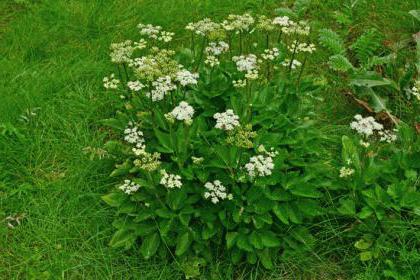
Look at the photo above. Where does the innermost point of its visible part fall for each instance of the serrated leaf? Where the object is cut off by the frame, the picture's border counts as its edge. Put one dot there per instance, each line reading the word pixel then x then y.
pixel 340 63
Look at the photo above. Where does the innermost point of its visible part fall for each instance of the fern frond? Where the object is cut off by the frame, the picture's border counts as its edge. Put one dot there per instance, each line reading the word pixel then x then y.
pixel 340 63
pixel 366 46
pixel 379 60
pixel 332 41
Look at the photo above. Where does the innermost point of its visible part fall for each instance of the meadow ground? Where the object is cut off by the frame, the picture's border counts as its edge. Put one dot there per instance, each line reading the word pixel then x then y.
pixel 53 55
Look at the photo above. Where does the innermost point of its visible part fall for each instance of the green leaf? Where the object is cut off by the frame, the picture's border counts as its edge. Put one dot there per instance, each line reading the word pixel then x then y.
pixel 347 207
pixel 366 256
pixel 150 245
pixel 164 213
pixel 269 239
pixel 183 243
pixel 164 140
pixel 265 258
pixel 281 213
pixel 332 41
pixel 122 238
pixel 243 243
pixel 363 244
pixel 350 153
pixel 114 199
pixel 340 63
pixel 256 240
pixel 305 190
pixel 231 239
pixel 416 14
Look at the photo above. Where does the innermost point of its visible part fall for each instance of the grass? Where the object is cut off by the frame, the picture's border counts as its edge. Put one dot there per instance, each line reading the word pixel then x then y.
pixel 53 56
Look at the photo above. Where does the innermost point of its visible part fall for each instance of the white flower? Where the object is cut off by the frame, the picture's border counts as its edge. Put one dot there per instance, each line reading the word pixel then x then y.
pixel 227 120
pixel 133 135
pixel 365 126
pixel 282 21
pixel 245 63
pixel 149 30
pixel 364 144
pixel 270 54
pixel 197 160
pixel 165 36
pixel 183 112
pixel 239 83
pixel 203 27
pixel 415 91
pixel 301 47
pixel 185 77
pixel 260 166
pixel 295 63
pixel 129 187
pixel 387 136
pixel 170 181
pixel 135 85
pixel 216 192
pixel 217 49
pixel 110 82
pixel 162 86
pixel 346 172
pixel 238 23
pixel 252 74
pixel 212 61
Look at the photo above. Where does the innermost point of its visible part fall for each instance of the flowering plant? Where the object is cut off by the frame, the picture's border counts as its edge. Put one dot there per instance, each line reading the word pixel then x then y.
pixel 212 157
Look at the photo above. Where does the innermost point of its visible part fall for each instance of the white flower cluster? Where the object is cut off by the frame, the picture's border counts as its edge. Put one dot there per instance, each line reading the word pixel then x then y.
pixel 238 23
pixel 212 61
pixel 246 63
pixel 133 135
pixel 260 166
pixel 346 172
pixel 301 47
pixel 282 21
pixel 203 27
pixel 110 82
pixel 365 126
pixel 185 77
pixel 183 112
pixel 216 192
pixel 122 52
pixel 170 181
pixel 135 85
pixel 217 48
pixel 295 63
pixel 162 86
pixel 271 153
pixel 387 136
pixel 129 187
pixel 239 83
pixel 155 32
pixel 415 91
pixel 270 54
pixel 227 120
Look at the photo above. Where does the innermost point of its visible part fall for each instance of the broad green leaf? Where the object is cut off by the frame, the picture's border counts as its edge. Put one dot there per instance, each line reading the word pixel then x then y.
pixel 114 199
pixel 243 243
pixel 281 213
pixel 122 238
pixel 269 239
pixel 150 245
pixel 265 258
pixel 183 243
pixel 231 239
pixel 363 244
pixel 256 240
pixel 305 190
pixel 366 256
pixel 164 140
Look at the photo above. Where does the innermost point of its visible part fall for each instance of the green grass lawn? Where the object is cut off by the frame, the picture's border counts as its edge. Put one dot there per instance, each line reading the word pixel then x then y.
pixel 53 55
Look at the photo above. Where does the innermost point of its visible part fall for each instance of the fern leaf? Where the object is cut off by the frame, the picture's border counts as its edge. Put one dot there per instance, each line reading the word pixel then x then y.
pixel 332 41
pixel 366 46
pixel 340 63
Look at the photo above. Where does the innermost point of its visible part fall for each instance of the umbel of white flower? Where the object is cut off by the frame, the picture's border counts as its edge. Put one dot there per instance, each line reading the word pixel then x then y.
pixel 185 77
pixel 216 192
pixel 135 85
pixel 260 166
pixel 365 126
pixel 162 86
pixel 217 48
pixel 129 187
pixel 227 120
pixel 346 172
pixel 245 63
pixel 170 181
pixel 111 82
pixel 183 112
